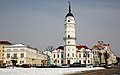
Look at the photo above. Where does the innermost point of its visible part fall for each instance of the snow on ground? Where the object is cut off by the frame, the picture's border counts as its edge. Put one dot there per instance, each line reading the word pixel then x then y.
pixel 42 71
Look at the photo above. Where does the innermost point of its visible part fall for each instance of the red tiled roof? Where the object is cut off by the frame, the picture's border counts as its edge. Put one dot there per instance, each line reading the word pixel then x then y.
pixel 5 42
pixel 99 47
pixel 60 47
pixel 81 46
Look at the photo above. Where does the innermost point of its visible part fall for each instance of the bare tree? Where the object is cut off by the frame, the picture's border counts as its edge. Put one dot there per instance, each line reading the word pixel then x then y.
pixel 100 57
pixel 50 48
pixel 106 56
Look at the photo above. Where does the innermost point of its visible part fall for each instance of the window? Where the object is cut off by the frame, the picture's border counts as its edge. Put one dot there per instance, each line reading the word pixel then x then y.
pixel 68 36
pixel 7 62
pixel 22 55
pixel 22 49
pixel 15 49
pixel 62 56
pixel 68 20
pixel 88 55
pixel 15 55
pixel 58 61
pixel 88 61
pixel 54 55
pixel 8 55
pixel 21 62
pixel 80 61
pixel 61 61
pixel 58 55
pixel 68 55
pixel 84 61
pixel 68 42
pixel 84 55
pixel 79 55
pixel 72 54
pixel 68 49
pixel 8 49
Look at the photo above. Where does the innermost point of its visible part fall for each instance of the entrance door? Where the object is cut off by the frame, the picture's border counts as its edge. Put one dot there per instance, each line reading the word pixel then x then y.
pixel 68 61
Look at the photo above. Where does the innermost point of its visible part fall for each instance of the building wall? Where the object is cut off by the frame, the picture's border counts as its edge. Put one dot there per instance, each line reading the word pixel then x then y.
pixel 25 55
pixel 85 56
pixel 57 57
pixel 78 57
pixel 2 53
pixel 102 48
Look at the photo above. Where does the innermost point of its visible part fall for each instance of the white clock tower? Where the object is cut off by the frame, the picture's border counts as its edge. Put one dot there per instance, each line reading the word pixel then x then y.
pixel 69 38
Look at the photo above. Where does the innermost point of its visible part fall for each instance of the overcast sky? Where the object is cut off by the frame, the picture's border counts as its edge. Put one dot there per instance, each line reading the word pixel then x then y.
pixel 40 23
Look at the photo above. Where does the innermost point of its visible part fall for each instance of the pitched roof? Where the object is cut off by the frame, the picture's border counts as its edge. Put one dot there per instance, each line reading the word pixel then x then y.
pixel 99 47
pixel 60 47
pixel 5 42
pixel 81 46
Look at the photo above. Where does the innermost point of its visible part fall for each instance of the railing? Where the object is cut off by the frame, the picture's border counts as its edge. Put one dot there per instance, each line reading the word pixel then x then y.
pixel 69 38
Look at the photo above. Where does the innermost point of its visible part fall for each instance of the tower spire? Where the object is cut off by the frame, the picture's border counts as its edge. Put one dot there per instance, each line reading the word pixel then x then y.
pixel 69 7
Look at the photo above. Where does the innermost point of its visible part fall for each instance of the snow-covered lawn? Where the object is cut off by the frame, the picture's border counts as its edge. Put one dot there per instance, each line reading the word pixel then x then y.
pixel 42 71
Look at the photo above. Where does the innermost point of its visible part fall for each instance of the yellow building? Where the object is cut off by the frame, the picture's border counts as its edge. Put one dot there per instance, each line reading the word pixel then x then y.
pixel 24 55
pixel 2 45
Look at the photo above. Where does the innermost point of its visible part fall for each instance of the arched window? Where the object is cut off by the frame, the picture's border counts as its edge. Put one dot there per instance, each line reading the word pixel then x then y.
pixel 84 61
pixel 58 55
pixel 62 56
pixel 54 55
pixel 84 55
pixel 88 55
pixel 68 55
pixel 68 36
pixel 61 61
pixel 88 61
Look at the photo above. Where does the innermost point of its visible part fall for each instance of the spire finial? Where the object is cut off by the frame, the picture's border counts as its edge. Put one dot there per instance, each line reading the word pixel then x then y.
pixel 69 7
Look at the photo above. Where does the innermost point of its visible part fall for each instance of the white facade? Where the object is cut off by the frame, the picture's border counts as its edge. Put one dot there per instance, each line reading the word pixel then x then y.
pixel 57 57
pixel 69 39
pixel 84 55
pixel 23 54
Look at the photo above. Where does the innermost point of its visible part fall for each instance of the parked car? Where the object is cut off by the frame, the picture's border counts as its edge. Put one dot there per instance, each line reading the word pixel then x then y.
pixel 89 65
pixel 54 66
pixel 75 65
pixel 26 65
pixel 65 66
